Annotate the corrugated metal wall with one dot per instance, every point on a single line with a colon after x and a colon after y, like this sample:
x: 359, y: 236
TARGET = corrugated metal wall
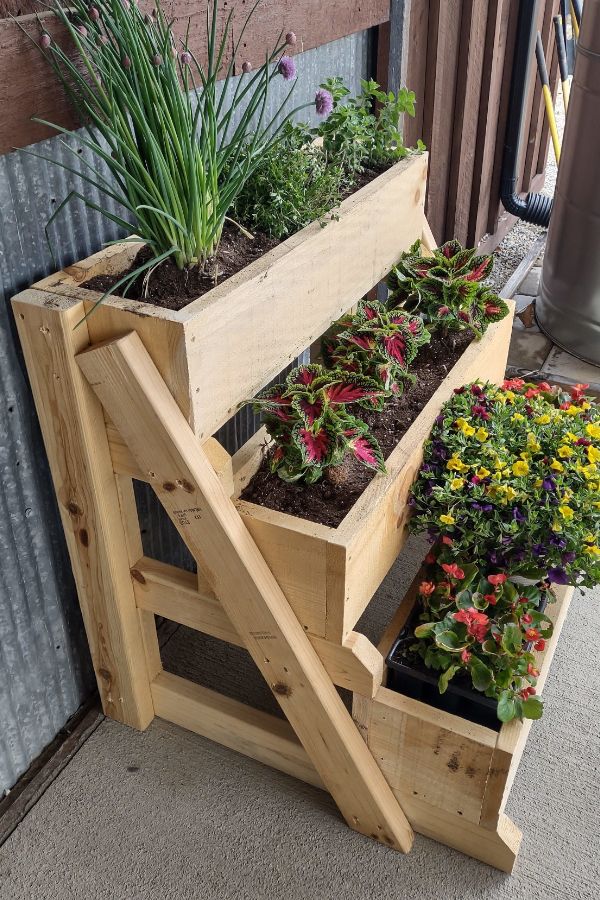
x: 44, y: 667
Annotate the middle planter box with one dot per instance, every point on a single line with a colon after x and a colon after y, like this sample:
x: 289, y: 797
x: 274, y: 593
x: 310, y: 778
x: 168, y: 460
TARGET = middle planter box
x: 329, y: 575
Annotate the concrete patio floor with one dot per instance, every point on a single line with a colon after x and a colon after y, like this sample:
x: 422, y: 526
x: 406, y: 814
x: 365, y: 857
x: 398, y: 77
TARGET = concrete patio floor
x: 166, y: 814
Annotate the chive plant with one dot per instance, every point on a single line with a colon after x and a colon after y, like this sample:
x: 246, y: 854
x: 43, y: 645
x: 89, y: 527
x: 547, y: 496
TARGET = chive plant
x: 178, y: 153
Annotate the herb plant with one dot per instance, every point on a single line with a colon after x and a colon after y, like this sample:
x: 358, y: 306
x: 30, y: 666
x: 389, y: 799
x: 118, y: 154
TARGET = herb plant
x: 293, y: 184
x: 511, y: 476
x: 177, y: 151
x: 478, y: 622
x: 378, y: 344
x: 311, y: 427
x: 445, y: 288
x: 356, y: 134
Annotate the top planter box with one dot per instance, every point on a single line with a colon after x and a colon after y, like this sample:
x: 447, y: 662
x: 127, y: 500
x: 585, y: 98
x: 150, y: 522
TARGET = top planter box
x: 221, y: 349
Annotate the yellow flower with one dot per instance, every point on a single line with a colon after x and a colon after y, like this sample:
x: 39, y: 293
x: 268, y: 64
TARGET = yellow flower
x: 532, y: 443
x: 556, y: 526
x: 593, y: 430
x: 564, y: 452
x: 558, y: 467
x: 482, y: 472
x: 593, y: 550
x: 593, y: 454
x: 456, y: 465
x: 517, y: 417
x: 525, y: 455
x: 569, y: 436
x: 447, y: 520
x: 457, y: 483
x: 589, y: 472
x: 538, y: 483
x: 590, y: 538
x: 509, y: 395
x: 464, y: 426
x: 482, y: 435
x: 510, y: 493
x: 585, y: 405
x: 572, y: 411
x: 566, y: 512
x: 520, y: 468
x: 543, y: 420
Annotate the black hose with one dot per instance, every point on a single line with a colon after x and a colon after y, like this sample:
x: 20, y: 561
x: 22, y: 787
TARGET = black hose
x: 533, y: 208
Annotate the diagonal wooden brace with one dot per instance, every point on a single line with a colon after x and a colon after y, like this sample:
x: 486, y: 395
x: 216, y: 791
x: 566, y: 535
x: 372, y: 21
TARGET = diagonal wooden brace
x: 135, y: 396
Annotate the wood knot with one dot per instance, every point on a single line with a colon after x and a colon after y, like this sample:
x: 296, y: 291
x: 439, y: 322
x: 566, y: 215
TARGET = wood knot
x: 84, y: 537
x: 454, y: 763
x: 284, y: 690
x: 105, y: 675
x: 186, y: 486
x: 74, y: 509
x: 137, y: 575
x: 169, y: 486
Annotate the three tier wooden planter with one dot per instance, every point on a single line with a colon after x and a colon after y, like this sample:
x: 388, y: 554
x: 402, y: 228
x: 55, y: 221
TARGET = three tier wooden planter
x: 136, y: 392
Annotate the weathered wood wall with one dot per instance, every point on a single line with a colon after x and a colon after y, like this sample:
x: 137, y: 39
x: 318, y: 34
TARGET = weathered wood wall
x: 459, y: 65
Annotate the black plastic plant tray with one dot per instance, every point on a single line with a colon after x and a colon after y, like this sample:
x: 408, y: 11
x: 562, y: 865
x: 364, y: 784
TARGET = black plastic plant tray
x: 420, y: 683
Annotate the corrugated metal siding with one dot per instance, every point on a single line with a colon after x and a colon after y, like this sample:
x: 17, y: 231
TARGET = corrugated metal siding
x: 44, y: 666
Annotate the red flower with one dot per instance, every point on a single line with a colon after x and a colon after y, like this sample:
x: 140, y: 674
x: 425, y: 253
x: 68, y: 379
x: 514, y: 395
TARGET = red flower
x: 464, y: 316
x: 426, y: 588
x: 430, y: 559
x: 527, y: 618
x: 566, y: 405
x: 523, y: 600
x: 475, y: 479
x: 491, y: 599
x: 531, y: 670
x: 577, y: 391
x: 465, y: 655
x: 532, y: 634
x: 480, y: 411
x: 476, y: 622
x: 447, y: 541
x: 527, y: 692
x: 453, y: 570
x: 544, y: 386
x: 531, y: 392
x: 497, y: 579
x: 513, y: 384
x: 540, y: 645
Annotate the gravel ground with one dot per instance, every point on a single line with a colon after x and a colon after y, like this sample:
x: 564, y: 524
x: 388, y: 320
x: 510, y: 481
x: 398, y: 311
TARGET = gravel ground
x: 518, y: 241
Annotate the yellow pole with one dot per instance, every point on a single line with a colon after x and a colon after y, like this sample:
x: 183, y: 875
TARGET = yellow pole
x: 543, y: 73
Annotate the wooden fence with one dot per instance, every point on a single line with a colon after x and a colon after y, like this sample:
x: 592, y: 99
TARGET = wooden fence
x: 456, y: 55
x: 459, y: 64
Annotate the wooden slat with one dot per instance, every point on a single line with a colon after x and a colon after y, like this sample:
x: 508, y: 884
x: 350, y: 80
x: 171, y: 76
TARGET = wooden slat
x: 139, y: 403
x: 175, y: 594
x: 537, y: 113
x: 73, y: 428
x: 249, y: 731
x: 417, y: 68
x: 29, y: 87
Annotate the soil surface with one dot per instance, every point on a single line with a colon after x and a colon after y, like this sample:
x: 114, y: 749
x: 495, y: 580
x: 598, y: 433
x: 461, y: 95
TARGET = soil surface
x: 328, y: 500
x: 174, y: 288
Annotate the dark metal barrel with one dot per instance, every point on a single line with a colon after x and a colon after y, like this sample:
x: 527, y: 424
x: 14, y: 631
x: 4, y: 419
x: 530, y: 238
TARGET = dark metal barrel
x: 568, y: 305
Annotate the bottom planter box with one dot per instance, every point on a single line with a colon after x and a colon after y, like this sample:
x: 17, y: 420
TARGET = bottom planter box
x: 452, y: 776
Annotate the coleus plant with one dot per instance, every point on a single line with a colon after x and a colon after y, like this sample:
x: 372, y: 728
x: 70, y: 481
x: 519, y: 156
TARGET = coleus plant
x: 445, y: 288
x: 482, y: 624
x: 312, y: 429
x: 377, y: 343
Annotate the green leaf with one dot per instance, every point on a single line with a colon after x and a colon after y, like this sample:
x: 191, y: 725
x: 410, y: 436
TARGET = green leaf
x: 507, y: 709
x: 533, y: 708
x: 449, y: 640
x: 464, y: 600
x: 480, y: 674
x: 479, y: 601
x: 512, y: 639
x: 423, y: 631
x: 446, y: 677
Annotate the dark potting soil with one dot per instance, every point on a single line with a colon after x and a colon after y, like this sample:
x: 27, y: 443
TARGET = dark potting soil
x: 328, y: 500
x: 174, y: 288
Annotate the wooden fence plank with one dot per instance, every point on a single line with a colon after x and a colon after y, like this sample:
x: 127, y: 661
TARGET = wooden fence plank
x: 29, y: 87
x: 417, y: 68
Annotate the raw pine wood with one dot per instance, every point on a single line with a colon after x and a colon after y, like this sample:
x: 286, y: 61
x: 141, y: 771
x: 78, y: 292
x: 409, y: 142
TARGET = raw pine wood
x: 174, y: 594
x: 452, y: 776
x: 137, y: 400
x: 249, y: 731
x: 306, y: 282
x: 28, y: 86
x: 73, y: 429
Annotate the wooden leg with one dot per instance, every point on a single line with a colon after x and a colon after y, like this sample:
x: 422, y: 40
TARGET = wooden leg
x: 74, y: 433
x: 137, y: 400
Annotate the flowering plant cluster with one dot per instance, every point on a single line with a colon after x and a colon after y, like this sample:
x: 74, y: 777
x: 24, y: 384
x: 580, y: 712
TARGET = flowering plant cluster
x: 376, y: 343
x: 155, y: 116
x: 480, y: 623
x: 308, y: 419
x: 446, y: 288
x: 511, y: 475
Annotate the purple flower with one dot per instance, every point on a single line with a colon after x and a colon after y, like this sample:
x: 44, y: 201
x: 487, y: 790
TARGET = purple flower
x: 185, y: 58
x: 539, y: 549
x: 558, y: 542
x: 518, y: 515
x: 82, y: 30
x: 323, y: 102
x: 45, y: 41
x: 569, y: 557
x: 291, y: 38
x: 157, y: 60
x: 549, y: 484
x: 287, y: 68
x: 93, y: 13
x: 246, y: 67
x: 558, y: 575
x: 126, y: 62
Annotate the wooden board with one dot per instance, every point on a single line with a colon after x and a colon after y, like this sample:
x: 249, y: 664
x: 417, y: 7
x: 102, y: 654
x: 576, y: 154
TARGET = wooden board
x: 139, y: 403
x: 28, y: 86
x: 306, y: 282
x: 75, y: 439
